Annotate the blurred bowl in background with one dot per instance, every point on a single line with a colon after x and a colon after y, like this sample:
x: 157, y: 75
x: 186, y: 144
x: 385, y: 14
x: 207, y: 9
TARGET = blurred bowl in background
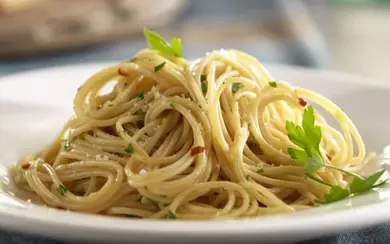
x: 54, y: 25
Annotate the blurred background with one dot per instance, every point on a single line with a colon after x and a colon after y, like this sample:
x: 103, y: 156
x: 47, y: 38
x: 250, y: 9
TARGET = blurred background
x: 344, y: 35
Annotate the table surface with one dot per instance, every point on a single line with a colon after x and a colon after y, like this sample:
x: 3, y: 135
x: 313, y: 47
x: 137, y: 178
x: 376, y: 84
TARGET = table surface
x: 375, y: 235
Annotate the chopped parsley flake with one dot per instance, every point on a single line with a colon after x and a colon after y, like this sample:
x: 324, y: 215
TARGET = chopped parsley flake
x: 204, y: 87
x: 160, y: 66
x: 62, y: 189
x: 129, y: 148
x: 236, y: 86
x: 203, y: 77
x: 172, y: 105
x: 203, y: 83
x: 273, y: 84
x: 65, y: 144
x: 171, y: 215
x: 141, y: 95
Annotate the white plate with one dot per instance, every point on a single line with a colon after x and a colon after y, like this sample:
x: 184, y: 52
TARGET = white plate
x: 34, y: 105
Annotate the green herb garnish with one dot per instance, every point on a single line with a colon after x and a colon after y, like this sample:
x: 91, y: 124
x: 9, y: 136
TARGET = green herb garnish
x: 172, y: 105
x: 236, y: 86
x: 171, y: 215
x: 357, y: 186
x: 176, y: 46
x: 204, y: 87
x: 141, y: 95
x: 65, y: 144
x: 308, y: 137
x: 273, y: 84
x: 160, y: 66
x: 260, y: 170
x: 313, y: 164
x: 156, y: 42
x: 129, y: 148
x: 360, y: 184
x: 203, y: 77
x: 335, y: 194
x: 62, y: 189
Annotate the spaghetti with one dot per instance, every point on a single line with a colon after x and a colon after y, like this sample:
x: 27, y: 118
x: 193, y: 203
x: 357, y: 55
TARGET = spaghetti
x: 190, y: 140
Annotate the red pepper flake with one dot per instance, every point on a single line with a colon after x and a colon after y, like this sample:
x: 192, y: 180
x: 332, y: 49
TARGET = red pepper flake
x: 197, y: 150
x: 61, y: 208
x: 26, y: 166
x: 302, y: 102
x: 122, y: 72
x: 329, y: 157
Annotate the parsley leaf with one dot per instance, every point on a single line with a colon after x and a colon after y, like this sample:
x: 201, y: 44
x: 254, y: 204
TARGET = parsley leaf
x: 273, y: 84
x: 261, y: 170
x: 360, y: 184
x: 160, y: 66
x: 298, y: 155
x: 307, y: 137
x: 62, y: 189
x: 335, y: 194
x: 129, y: 148
x: 176, y: 46
x: 172, y: 105
x: 156, y: 42
x: 296, y: 135
x: 381, y: 183
x: 312, y: 132
x: 171, y: 215
x: 236, y: 86
x: 313, y: 164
